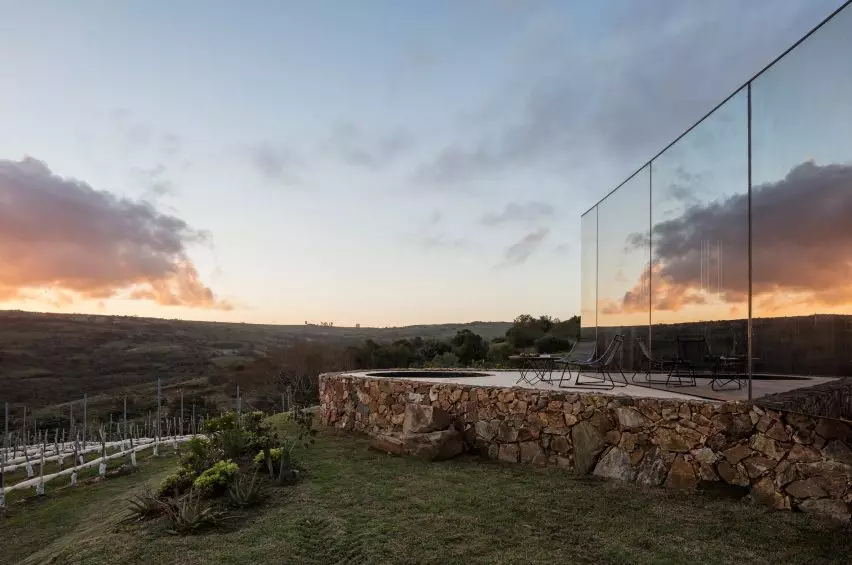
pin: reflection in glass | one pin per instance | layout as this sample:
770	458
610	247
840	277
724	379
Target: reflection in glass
623	259
699	235
588	274
802	207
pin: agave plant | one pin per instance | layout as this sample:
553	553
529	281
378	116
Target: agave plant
188	514
244	491
143	507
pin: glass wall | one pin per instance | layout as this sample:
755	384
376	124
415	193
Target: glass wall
624	219
691	244
699	234
589	274
802	206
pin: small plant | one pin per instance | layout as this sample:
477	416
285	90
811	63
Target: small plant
274	454
144	507
251	421
227	421
234	442
198	454
245	491
177	483
217	478
188	514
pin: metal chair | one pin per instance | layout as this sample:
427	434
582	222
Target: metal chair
650	363
602	365
582	352
693	354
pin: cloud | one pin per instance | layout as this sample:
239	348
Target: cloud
525	213
442	241
521	250
275	163
354	146
801	254
60	237
623	95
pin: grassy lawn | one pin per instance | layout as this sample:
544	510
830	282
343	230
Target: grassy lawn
359	506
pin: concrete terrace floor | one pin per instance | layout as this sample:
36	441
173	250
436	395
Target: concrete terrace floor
702	391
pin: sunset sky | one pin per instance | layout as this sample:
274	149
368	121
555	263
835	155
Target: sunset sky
373	162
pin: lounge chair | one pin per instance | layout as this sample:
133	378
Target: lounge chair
582	352
652	364
602	365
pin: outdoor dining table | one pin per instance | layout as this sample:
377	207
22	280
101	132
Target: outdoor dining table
536	368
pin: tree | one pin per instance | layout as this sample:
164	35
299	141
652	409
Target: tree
469	347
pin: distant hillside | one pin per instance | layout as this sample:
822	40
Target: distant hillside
49	358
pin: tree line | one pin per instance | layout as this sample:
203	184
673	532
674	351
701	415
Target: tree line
466	349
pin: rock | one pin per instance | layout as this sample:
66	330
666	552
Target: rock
627	441
838	451
531	452
684	412
588	443
484	431
570	419
422	418
629	418
737	453
807	488
612	437
764	492
388	444
803	454
508	453
681	476
767	446
834	429
757	465
705	455
830	475
526	434
785	474
778	432
615	464
706	472
506	433
736	426
764	423
560	444
671	440
731	475
599	421
834	509
653	469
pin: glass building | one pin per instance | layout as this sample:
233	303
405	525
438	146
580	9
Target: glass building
741	229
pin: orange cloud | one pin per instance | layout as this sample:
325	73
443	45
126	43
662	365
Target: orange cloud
61	240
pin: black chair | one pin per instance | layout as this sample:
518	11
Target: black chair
693	354
582	352
649	364
602	366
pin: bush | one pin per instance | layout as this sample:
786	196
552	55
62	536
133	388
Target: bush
144	507
227	421
553	344
251	421
177	483
235	442
198	454
217	478
274	454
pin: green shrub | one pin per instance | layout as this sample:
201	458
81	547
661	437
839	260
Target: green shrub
235	442
144	507
245	491
217	478
251	421
189	514
177	483
227	421
198	454
274	454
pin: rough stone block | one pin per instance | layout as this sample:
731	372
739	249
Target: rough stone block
681	475
388	444
588	442
615	464
421	419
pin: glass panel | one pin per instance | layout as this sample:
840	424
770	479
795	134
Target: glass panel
802	207
699	238
623	257
589	274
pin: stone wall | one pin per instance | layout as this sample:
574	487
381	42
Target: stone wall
829	400
782	459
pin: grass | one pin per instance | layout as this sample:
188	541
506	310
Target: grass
360	506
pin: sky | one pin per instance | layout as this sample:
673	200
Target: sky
374	162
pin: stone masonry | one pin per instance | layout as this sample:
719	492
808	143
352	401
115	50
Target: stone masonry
783	459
